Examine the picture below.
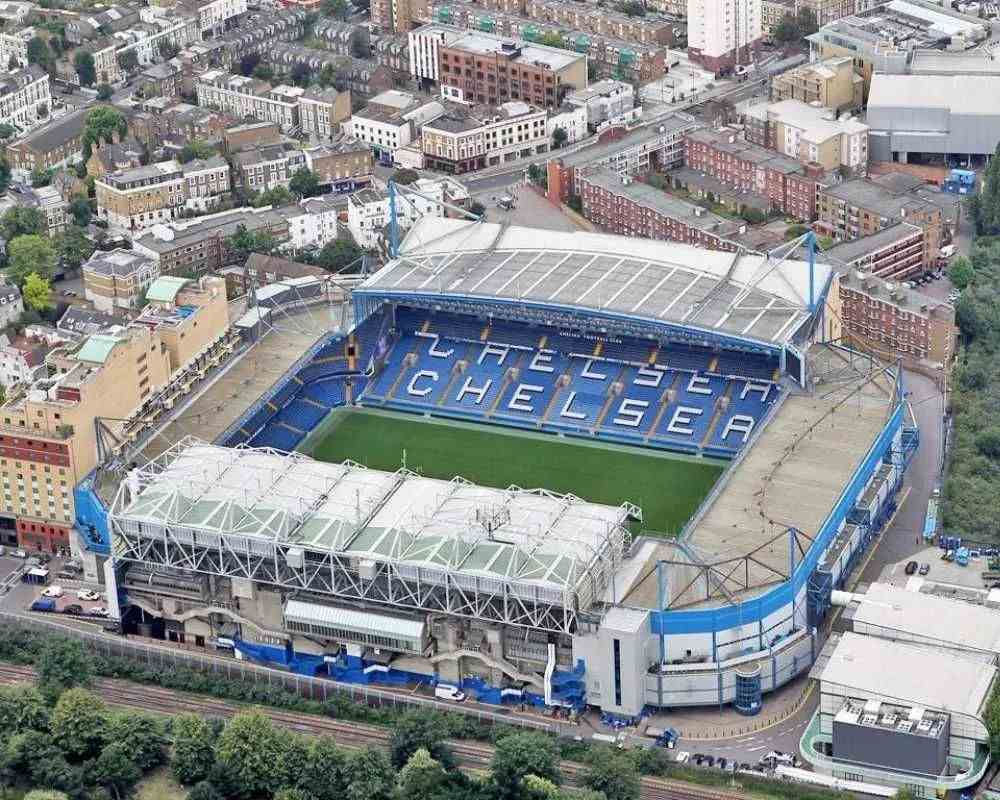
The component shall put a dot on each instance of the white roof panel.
(353, 620)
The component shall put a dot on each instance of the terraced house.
(24, 94)
(140, 197)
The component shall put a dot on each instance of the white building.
(571, 119)
(213, 15)
(14, 45)
(208, 183)
(51, 203)
(180, 30)
(425, 44)
(314, 223)
(717, 29)
(11, 304)
(22, 93)
(607, 101)
(249, 98)
(392, 120)
(368, 210)
(15, 13)
(808, 133)
(19, 363)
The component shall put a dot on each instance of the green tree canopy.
(305, 183)
(145, 735)
(73, 247)
(559, 137)
(80, 210)
(196, 148)
(960, 272)
(78, 724)
(611, 772)
(193, 748)
(324, 774)
(340, 255)
(420, 730)
(519, 755)
(37, 293)
(104, 91)
(23, 708)
(103, 125)
(116, 769)
(244, 242)
(421, 776)
(39, 53)
(335, 8)
(405, 176)
(22, 220)
(63, 664)
(370, 776)
(83, 63)
(30, 254)
(250, 749)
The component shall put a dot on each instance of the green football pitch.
(668, 488)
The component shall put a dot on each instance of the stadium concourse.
(534, 596)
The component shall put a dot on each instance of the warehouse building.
(900, 715)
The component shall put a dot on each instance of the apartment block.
(888, 317)
(322, 111)
(52, 204)
(721, 34)
(114, 280)
(814, 135)
(607, 102)
(861, 207)
(49, 146)
(833, 83)
(827, 11)
(781, 183)
(22, 93)
(392, 120)
(772, 13)
(14, 46)
(344, 164)
(315, 222)
(47, 436)
(215, 16)
(630, 208)
(265, 168)
(206, 183)
(484, 136)
(894, 253)
(143, 196)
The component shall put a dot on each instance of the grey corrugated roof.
(961, 94)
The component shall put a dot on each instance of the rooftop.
(876, 197)
(522, 52)
(953, 62)
(974, 95)
(853, 249)
(635, 138)
(546, 542)
(910, 674)
(661, 282)
(116, 262)
(820, 124)
(895, 293)
(165, 288)
(169, 237)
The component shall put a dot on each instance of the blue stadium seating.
(682, 356)
(277, 436)
(748, 399)
(327, 391)
(747, 365)
(302, 415)
(645, 390)
(456, 326)
(515, 333)
(528, 397)
(636, 351)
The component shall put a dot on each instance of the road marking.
(755, 749)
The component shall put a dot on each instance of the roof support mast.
(396, 193)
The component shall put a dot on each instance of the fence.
(319, 689)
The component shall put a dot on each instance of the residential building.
(781, 183)
(772, 12)
(117, 279)
(571, 120)
(161, 80)
(11, 304)
(322, 112)
(51, 203)
(261, 270)
(607, 102)
(199, 245)
(256, 36)
(15, 13)
(362, 77)
(250, 135)
(392, 120)
(630, 208)
(603, 21)
(104, 51)
(343, 38)
(116, 157)
(23, 93)
(393, 53)
(14, 46)
(52, 145)
(47, 435)
(626, 153)
(827, 11)
(157, 29)
(476, 67)
(344, 164)
(215, 16)
(21, 361)
(265, 168)
(143, 196)
(894, 253)
(861, 207)
(816, 136)
(832, 83)
(722, 34)
(484, 136)
(315, 222)
(79, 321)
(85, 27)
(207, 183)
(368, 210)
(940, 116)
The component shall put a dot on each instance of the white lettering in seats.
(740, 424)
(763, 388)
(479, 392)
(566, 409)
(649, 377)
(433, 349)
(411, 387)
(588, 371)
(498, 350)
(520, 401)
(541, 360)
(699, 385)
(631, 412)
(683, 416)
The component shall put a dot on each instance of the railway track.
(352, 735)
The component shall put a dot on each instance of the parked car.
(18, 554)
(53, 591)
(97, 611)
(87, 594)
(44, 604)
(73, 609)
(924, 569)
(911, 567)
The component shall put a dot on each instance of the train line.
(352, 735)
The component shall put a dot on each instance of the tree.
(78, 724)
(305, 183)
(250, 750)
(421, 776)
(193, 745)
(40, 176)
(80, 210)
(116, 769)
(420, 730)
(559, 137)
(249, 63)
(301, 74)
(104, 91)
(961, 272)
(787, 30)
(988, 442)
(103, 124)
(27, 255)
(37, 293)
(263, 72)
(521, 754)
(204, 790)
(45, 794)
(73, 247)
(538, 175)
(83, 63)
(334, 8)
(404, 176)
(243, 242)
(611, 772)
(22, 221)
(7, 130)
(324, 774)
(39, 53)
(340, 255)
(145, 736)
(370, 776)
(4, 174)
(23, 708)
(128, 61)
(196, 149)
(277, 196)
(632, 8)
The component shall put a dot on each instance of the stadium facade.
(528, 595)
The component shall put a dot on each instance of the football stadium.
(558, 469)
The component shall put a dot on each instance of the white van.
(947, 251)
(53, 591)
(445, 692)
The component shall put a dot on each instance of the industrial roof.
(951, 622)
(959, 94)
(165, 288)
(353, 620)
(533, 538)
(912, 674)
(661, 282)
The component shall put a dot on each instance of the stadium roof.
(743, 295)
(537, 539)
